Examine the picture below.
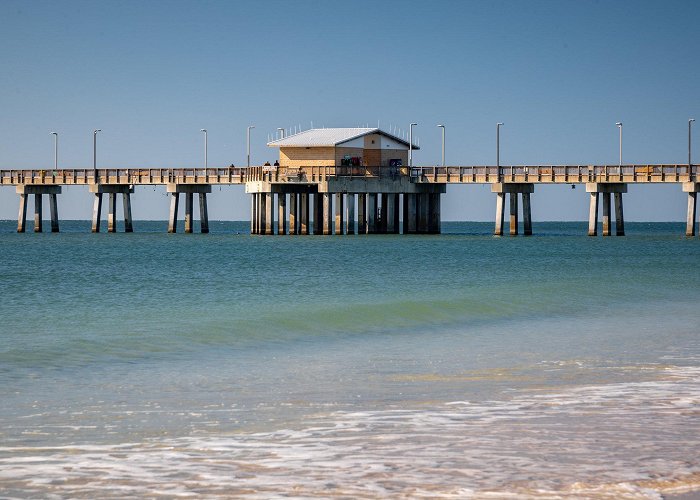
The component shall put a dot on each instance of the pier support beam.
(692, 189)
(327, 216)
(397, 213)
(527, 215)
(281, 213)
(53, 208)
(514, 189)
(388, 212)
(500, 208)
(128, 220)
(24, 190)
(339, 213)
(593, 215)
(203, 213)
(22, 217)
(598, 189)
(371, 213)
(38, 213)
(189, 201)
(112, 213)
(350, 213)
(253, 202)
(172, 219)
(112, 190)
(423, 209)
(189, 190)
(513, 214)
(269, 213)
(304, 213)
(619, 216)
(361, 213)
(606, 214)
(434, 209)
(410, 219)
(293, 219)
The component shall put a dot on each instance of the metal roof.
(329, 137)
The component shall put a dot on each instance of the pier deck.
(326, 194)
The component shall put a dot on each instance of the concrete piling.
(293, 219)
(527, 215)
(606, 214)
(22, 217)
(339, 213)
(128, 220)
(513, 214)
(304, 212)
(188, 212)
(112, 213)
(619, 216)
(327, 215)
(500, 208)
(371, 213)
(350, 213)
(361, 213)
(203, 213)
(593, 215)
(281, 213)
(37, 213)
(692, 189)
(53, 208)
(97, 213)
(605, 190)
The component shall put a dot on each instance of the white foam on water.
(624, 440)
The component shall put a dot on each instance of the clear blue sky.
(151, 74)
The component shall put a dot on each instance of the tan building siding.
(341, 152)
(307, 157)
(390, 154)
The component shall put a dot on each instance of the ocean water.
(457, 366)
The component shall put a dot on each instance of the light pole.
(206, 147)
(94, 155)
(443, 144)
(248, 142)
(281, 131)
(619, 126)
(498, 149)
(410, 144)
(55, 150)
(690, 123)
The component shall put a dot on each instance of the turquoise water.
(455, 365)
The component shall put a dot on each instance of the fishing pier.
(349, 199)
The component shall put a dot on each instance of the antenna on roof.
(377, 122)
(312, 124)
(300, 127)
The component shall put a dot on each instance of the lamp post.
(690, 123)
(248, 142)
(410, 144)
(55, 150)
(94, 155)
(443, 144)
(498, 149)
(206, 147)
(619, 126)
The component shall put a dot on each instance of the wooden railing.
(540, 174)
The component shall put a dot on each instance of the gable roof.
(330, 137)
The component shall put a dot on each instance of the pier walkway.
(377, 192)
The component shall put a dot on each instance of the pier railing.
(540, 174)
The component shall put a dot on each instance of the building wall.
(341, 151)
(390, 154)
(308, 157)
